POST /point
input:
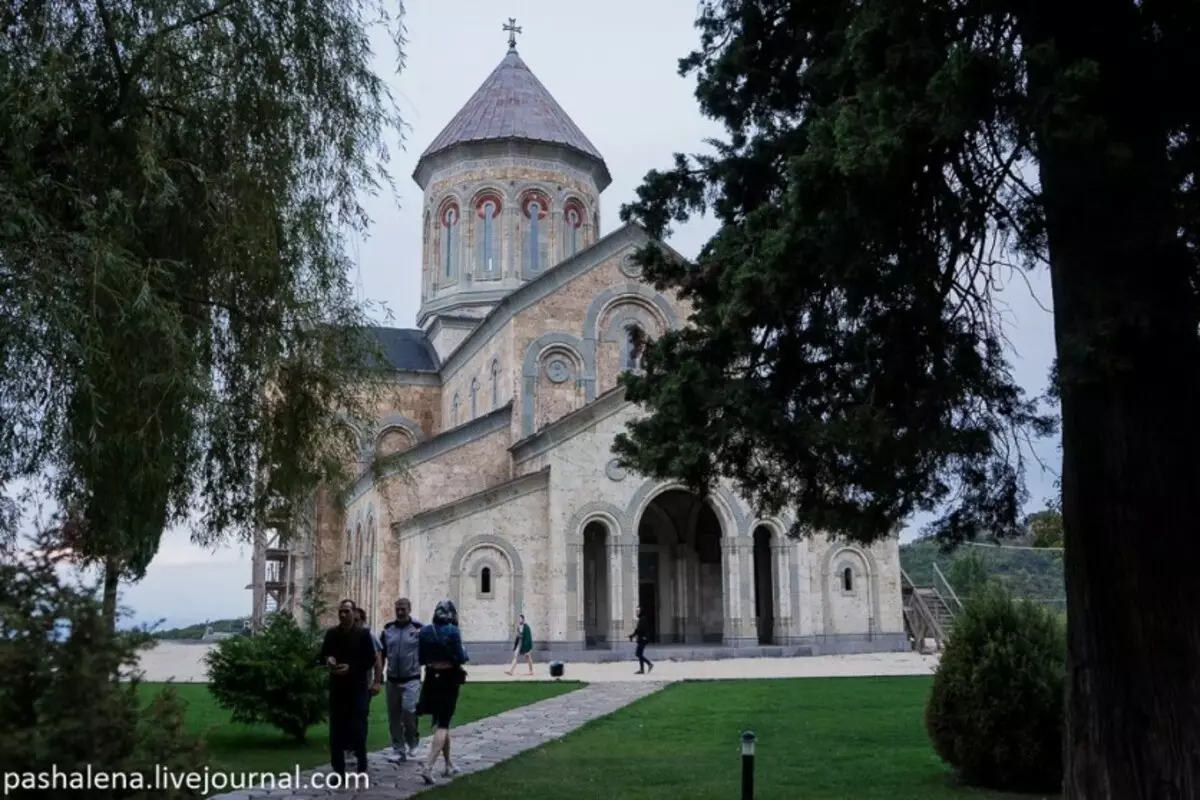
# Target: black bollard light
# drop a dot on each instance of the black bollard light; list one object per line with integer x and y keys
{"x": 748, "y": 742}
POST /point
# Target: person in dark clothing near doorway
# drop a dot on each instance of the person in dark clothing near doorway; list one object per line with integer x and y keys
{"x": 642, "y": 634}
{"x": 348, "y": 653}
{"x": 374, "y": 677}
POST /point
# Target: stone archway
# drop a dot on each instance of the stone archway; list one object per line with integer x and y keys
{"x": 597, "y": 591}
{"x": 680, "y": 569}
{"x": 765, "y": 591}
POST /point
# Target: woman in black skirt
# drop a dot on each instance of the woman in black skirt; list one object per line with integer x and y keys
{"x": 442, "y": 654}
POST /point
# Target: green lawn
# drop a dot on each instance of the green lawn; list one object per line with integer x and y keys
{"x": 261, "y": 748}
{"x": 835, "y": 738}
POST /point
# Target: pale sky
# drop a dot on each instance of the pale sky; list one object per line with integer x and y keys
{"x": 613, "y": 68}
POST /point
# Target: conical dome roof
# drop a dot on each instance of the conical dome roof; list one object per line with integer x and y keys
{"x": 512, "y": 104}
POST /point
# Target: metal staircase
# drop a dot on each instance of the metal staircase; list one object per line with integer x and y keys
{"x": 929, "y": 611}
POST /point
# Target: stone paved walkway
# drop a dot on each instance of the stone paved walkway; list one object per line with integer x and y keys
{"x": 479, "y": 745}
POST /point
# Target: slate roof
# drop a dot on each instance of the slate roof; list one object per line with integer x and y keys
{"x": 406, "y": 349}
{"x": 512, "y": 104}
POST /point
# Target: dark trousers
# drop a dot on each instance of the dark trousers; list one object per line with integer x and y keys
{"x": 643, "y": 662}
{"x": 348, "y": 726}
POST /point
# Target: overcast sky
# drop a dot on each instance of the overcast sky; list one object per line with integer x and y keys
{"x": 613, "y": 68}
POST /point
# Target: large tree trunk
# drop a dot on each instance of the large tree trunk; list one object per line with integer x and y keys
{"x": 112, "y": 582}
{"x": 1129, "y": 364}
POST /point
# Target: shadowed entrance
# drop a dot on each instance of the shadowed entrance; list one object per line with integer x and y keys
{"x": 680, "y": 573}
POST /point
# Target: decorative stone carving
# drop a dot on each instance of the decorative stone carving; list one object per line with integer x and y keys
{"x": 629, "y": 268}
{"x": 558, "y": 370}
{"x": 614, "y": 470}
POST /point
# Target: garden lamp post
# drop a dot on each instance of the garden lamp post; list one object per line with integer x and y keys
{"x": 748, "y": 742}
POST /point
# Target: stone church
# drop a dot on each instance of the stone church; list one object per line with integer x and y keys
{"x": 506, "y": 404}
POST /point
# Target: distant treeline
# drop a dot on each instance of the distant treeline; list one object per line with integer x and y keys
{"x": 197, "y": 631}
{"x": 1033, "y": 574}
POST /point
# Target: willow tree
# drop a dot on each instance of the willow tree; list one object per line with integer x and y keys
{"x": 178, "y": 334}
{"x": 884, "y": 159}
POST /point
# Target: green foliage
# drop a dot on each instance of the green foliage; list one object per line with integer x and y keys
{"x": 61, "y": 703}
{"x": 197, "y": 631}
{"x": 271, "y": 677}
{"x": 1046, "y": 527}
{"x": 1029, "y": 574}
{"x": 969, "y": 575}
{"x": 177, "y": 323}
{"x": 995, "y": 713}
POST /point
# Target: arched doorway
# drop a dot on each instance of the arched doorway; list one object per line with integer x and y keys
{"x": 596, "y": 593}
{"x": 680, "y": 573}
{"x": 764, "y": 586}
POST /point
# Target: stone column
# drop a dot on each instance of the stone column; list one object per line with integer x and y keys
{"x": 730, "y": 596}
{"x": 746, "y": 589}
{"x": 575, "y": 591}
{"x": 616, "y": 577}
{"x": 781, "y": 589}
{"x": 629, "y": 586}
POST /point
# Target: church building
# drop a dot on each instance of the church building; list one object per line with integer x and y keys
{"x": 505, "y": 407}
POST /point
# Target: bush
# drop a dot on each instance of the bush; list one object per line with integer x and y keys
{"x": 996, "y": 709}
{"x": 62, "y": 707}
{"x": 272, "y": 677}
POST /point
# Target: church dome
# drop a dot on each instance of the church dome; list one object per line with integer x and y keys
{"x": 512, "y": 105}
{"x": 511, "y": 189}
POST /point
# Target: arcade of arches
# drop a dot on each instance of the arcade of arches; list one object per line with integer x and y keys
{"x": 683, "y": 579}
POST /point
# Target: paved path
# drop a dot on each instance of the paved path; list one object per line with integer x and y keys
{"x": 481, "y": 745}
{"x": 184, "y": 662}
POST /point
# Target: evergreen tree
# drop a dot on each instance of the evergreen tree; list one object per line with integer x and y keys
{"x": 177, "y": 328}
{"x": 845, "y": 358}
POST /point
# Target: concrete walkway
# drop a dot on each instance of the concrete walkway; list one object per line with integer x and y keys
{"x": 479, "y": 745}
{"x": 184, "y": 663}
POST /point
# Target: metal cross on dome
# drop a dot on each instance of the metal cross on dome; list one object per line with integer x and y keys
{"x": 513, "y": 30}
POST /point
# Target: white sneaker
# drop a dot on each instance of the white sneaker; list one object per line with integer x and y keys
{"x": 425, "y": 774}
{"x": 450, "y": 771}
{"x": 412, "y": 750}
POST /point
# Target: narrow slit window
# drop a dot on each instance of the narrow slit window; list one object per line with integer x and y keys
{"x": 485, "y": 580}
{"x": 847, "y": 580}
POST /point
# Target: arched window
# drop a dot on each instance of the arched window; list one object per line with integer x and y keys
{"x": 495, "y": 383}
{"x": 847, "y": 580}
{"x": 534, "y": 249}
{"x": 454, "y": 411}
{"x": 449, "y": 240}
{"x": 474, "y": 394}
{"x": 485, "y": 580}
{"x": 489, "y": 236}
{"x": 629, "y": 349}
{"x": 572, "y": 230}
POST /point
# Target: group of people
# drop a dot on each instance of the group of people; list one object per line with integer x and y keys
{"x": 361, "y": 664}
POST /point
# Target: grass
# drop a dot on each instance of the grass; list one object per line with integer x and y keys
{"x": 261, "y": 748}
{"x": 833, "y": 738}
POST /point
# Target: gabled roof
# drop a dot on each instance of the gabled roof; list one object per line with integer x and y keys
{"x": 512, "y": 104}
{"x": 406, "y": 349}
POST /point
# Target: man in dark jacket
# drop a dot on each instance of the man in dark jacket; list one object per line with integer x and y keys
{"x": 349, "y": 654}
{"x": 642, "y": 634}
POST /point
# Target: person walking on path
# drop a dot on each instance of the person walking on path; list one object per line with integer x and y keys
{"x": 348, "y": 653}
{"x": 401, "y": 649}
{"x": 374, "y": 677}
{"x": 443, "y": 655}
{"x": 522, "y": 646}
{"x": 642, "y": 634}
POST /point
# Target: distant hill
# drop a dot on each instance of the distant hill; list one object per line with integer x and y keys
{"x": 197, "y": 631}
{"x": 1033, "y": 574}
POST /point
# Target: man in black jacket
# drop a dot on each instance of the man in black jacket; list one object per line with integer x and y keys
{"x": 642, "y": 634}
{"x": 348, "y": 653}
